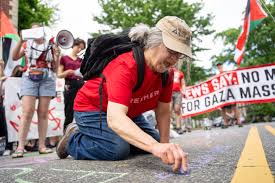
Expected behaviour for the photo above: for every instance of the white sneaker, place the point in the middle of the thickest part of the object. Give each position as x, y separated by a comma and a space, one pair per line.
7, 153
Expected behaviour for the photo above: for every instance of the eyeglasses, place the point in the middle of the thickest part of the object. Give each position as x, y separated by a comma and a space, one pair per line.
175, 54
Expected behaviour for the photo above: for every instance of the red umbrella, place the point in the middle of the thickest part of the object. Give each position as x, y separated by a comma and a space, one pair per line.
6, 26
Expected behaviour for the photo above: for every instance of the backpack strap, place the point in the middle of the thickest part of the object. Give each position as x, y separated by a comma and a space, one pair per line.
164, 78
100, 90
139, 58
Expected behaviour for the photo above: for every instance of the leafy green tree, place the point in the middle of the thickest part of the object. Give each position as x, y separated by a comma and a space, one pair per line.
121, 14
35, 11
194, 74
259, 47
260, 112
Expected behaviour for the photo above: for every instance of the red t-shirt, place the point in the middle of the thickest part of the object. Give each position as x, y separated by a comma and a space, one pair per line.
178, 76
69, 63
121, 78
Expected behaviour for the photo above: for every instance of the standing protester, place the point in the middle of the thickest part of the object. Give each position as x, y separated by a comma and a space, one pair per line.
3, 125
233, 107
38, 82
178, 85
67, 67
16, 72
109, 124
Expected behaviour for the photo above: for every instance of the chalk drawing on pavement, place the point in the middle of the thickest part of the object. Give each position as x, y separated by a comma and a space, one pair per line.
94, 173
23, 172
107, 176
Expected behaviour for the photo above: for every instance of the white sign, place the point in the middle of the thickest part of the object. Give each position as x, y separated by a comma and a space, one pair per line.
246, 85
13, 108
34, 33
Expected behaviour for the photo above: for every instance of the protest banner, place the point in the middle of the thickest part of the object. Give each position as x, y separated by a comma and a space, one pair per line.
13, 109
246, 85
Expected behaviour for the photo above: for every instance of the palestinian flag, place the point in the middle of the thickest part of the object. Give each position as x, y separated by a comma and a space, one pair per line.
8, 40
254, 14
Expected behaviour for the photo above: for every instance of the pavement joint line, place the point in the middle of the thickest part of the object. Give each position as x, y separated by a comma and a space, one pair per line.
252, 166
270, 129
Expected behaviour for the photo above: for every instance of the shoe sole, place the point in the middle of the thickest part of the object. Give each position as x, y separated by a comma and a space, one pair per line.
63, 140
17, 155
46, 152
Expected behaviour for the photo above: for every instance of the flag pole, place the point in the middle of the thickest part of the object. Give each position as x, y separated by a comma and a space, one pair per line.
262, 1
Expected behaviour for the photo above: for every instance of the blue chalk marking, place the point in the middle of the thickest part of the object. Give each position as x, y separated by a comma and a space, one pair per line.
185, 173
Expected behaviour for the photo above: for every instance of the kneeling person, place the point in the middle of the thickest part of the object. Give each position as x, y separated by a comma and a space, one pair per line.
117, 129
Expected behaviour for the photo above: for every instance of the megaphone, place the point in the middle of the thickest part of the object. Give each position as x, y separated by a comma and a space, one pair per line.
65, 39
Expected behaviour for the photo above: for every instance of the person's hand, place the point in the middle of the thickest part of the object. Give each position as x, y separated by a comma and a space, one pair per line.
20, 38
56, 50
3, 78
171, 154
69, 72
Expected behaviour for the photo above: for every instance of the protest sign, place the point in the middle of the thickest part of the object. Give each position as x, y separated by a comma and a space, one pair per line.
246, 85
13, 109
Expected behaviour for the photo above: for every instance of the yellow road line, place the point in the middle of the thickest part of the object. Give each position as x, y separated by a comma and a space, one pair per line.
252, 166
270, 129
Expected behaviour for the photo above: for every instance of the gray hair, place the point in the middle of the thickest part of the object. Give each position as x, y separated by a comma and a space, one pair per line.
146, 36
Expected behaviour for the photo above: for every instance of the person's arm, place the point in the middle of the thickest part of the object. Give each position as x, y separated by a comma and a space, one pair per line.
121, 124
183, 84
2, 74
1, 68
56, 56
163, 121
18, 51
126, 128
61, 73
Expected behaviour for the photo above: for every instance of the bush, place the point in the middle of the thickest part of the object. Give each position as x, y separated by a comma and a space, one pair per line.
260, 112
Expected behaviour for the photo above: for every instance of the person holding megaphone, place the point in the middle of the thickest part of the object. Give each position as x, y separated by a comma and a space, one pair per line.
38, 82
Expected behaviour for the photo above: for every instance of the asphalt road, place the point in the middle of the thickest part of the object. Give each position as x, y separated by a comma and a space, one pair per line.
213, 158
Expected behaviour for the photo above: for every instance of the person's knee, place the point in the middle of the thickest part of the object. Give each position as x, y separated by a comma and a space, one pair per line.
27, 114
111, 152
156, 136
121, 151
177, 109
42, 114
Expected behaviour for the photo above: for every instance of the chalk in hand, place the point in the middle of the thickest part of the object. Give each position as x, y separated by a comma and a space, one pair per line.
182, 172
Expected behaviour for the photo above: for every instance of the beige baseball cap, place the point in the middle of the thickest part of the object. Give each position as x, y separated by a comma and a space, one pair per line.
176, 34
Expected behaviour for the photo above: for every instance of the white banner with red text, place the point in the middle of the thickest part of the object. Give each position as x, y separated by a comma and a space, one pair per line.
254, 84
13, 109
